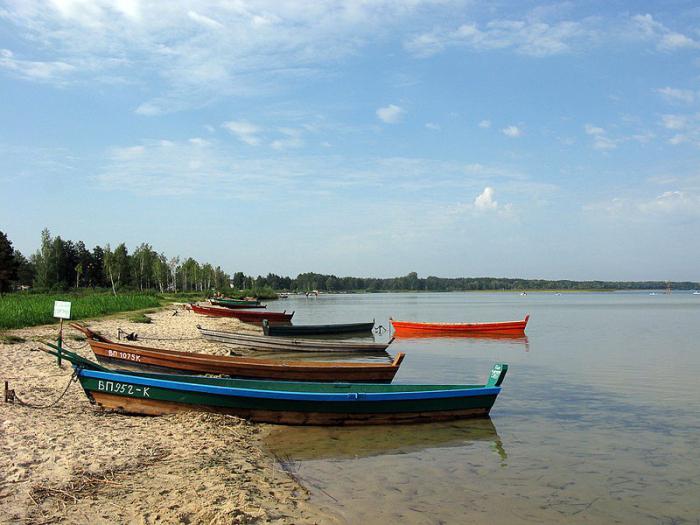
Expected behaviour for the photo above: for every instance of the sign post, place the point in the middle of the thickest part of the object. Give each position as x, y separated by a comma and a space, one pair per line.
61, 310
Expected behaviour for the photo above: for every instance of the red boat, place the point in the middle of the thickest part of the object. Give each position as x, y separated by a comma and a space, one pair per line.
412, 329
246, 316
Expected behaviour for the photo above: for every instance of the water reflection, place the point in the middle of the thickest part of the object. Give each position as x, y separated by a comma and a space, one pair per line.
329, 443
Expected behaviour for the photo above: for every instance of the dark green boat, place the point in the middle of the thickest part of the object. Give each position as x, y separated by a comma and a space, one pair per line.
236, 303
284, 402
317, 329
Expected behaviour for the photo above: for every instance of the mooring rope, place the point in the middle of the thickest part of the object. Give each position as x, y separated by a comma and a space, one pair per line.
74, 348
73, 377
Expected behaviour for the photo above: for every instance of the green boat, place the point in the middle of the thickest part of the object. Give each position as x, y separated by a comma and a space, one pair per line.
284, 402
236, 303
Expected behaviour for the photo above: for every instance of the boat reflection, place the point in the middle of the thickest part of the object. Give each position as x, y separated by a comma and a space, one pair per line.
422, 334
337, 443
497, 339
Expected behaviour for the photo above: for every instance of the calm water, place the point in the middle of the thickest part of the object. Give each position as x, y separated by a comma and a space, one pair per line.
598, 421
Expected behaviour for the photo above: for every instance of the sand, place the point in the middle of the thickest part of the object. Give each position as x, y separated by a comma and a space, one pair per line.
74, 463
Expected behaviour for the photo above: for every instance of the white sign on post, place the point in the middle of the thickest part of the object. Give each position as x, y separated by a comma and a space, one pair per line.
61, 309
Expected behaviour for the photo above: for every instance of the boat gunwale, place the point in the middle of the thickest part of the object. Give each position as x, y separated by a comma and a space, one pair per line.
195, 358
447, 391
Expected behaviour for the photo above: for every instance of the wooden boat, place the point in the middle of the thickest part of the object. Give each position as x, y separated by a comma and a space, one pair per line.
284, 402
247, 316
171, 360
236, 303
410, 328
317, 329
263, 342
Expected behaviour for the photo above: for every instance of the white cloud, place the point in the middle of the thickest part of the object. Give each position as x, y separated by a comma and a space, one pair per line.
432, 126
604, 143
601, 140
678, 139
163, 167
291, 139
647, 28
684, 128
485, 124
672, 41
484, 201
531, 37
677, 95
193, 53
56, 71
512, 131
204, 20
672, 203
674, 121
244, 131
390, 114
593, 130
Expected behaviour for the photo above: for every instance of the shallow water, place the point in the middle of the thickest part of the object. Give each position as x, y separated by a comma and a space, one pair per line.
598, 421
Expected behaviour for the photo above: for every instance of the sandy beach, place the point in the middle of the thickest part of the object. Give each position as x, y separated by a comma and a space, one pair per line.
74, 463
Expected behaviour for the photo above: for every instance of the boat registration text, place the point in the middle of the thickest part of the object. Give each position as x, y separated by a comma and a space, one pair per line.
122, 388
126, 356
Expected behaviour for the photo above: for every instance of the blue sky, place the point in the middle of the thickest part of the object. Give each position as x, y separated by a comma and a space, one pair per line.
522, 139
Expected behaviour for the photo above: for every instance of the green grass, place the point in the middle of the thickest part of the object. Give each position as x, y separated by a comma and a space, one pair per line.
20, 310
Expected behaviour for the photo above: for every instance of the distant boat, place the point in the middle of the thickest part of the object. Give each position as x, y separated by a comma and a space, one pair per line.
317, 329
652, 293
696, 293
235, 303
246, 316
523, 293
409, 328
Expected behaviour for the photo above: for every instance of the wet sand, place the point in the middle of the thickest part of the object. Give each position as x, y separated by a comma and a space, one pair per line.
74, 463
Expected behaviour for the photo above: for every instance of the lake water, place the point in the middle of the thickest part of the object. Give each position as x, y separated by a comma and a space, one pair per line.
598, 420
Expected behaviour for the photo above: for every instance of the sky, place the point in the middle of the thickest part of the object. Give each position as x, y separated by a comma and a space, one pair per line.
368, 138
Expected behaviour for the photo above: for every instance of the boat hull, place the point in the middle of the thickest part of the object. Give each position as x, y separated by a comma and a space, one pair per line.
227, 303
337, 404
246, 316
413, 329
139, 357
325, 329
255, 342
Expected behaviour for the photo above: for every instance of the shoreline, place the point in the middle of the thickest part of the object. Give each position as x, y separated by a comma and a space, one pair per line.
75, 463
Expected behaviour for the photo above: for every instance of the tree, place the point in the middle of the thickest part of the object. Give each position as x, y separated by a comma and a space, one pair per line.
173, 265
25, 269
238, 280
78, 271
121, 264
110, 266
8, 264
43, 261
96, 268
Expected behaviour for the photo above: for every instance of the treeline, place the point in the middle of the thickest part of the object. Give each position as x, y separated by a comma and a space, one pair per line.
62, 264
411, 282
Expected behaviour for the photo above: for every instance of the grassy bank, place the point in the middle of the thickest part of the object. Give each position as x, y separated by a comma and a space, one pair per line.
19, 310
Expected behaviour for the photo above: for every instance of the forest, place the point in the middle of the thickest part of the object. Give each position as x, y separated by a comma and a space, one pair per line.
60, 265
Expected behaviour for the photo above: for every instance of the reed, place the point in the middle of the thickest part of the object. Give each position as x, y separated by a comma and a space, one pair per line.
19, 310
